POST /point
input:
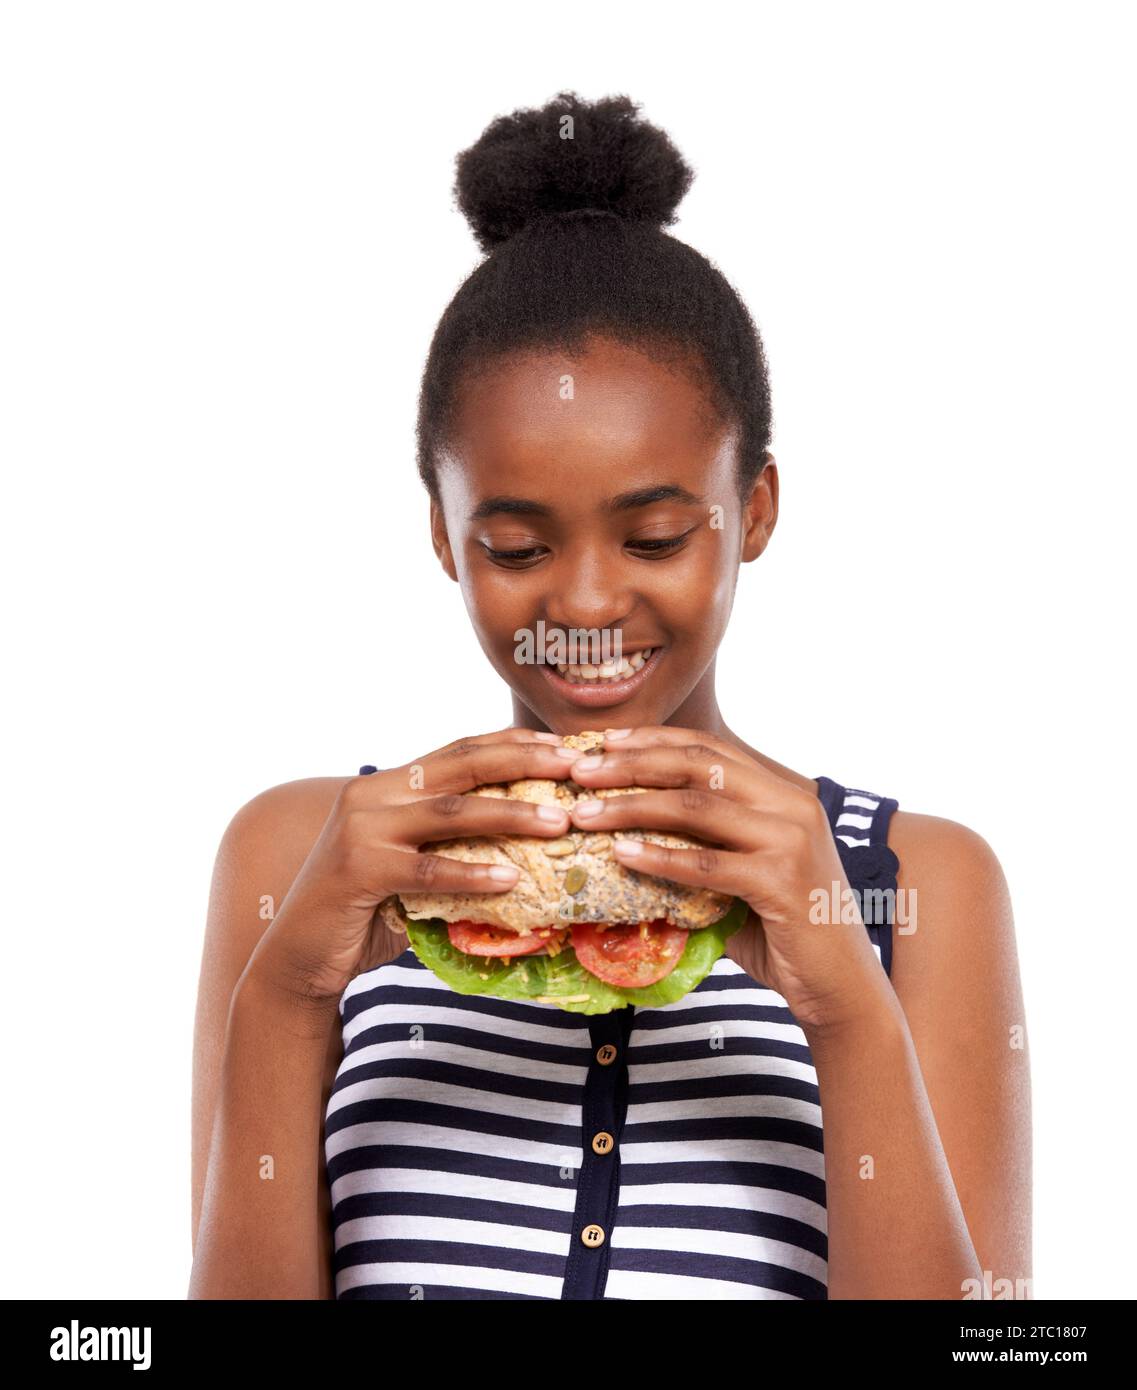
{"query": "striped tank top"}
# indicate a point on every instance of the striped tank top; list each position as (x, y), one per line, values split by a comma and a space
(489, 1148)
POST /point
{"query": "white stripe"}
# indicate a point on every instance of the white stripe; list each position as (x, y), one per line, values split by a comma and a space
(725, 1064)
(629, 1283)
(727, 1107)
(449, 1140)
(461, 1097)
(448, 1013)
(784, 1155)
(734, 1197)
(848, 818)
(476, 1058)
(470, 1186)
(730, 1244)
(461, 1232)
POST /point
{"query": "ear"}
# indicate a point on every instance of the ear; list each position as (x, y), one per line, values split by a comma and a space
(440, 539)
(760, 512)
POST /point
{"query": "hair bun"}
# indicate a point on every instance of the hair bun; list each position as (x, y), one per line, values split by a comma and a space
(569, 156)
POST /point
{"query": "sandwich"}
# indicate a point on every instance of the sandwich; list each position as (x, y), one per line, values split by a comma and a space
(578, 930)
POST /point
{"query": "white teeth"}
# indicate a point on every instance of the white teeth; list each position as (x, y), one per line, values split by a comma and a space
(608, 671)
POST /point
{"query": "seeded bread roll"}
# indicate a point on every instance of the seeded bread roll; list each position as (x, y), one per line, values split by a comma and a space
(571, 879)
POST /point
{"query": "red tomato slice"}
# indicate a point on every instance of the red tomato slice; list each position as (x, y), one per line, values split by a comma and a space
(627, 957)
(479, 939)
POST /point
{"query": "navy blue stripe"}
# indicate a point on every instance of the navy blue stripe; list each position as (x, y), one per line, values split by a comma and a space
(499, 1044)
(475, 1079)
(731, 1171)
(744, 1084)
(447, 1252)
(408, 1110)
(499, 1010)
(738, 1221)
(367, 1157)
(697, 1049)
(765, 1129)
(533, 1218)
(430, 1293)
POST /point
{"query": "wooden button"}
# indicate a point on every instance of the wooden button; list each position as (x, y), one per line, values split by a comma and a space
(603, 1143)
(606, 1055)
(592, 1236)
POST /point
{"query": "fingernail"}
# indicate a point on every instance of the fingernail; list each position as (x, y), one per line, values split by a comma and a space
(569, 752)
(550, 813)
(587, 764)
(584, 809)
(503, 873)
(616, 733)
(548, 738)
(627, 849)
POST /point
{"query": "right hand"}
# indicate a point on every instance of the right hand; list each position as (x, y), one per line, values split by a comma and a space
(326, 930)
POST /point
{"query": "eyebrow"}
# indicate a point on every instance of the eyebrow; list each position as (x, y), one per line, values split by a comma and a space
(623, 502)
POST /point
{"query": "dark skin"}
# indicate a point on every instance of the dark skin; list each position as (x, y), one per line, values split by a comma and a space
(925, 1093)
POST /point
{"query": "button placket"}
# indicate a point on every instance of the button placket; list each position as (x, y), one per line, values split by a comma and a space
(598, 1183)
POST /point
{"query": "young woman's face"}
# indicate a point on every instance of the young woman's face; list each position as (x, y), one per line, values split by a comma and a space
(598, 491)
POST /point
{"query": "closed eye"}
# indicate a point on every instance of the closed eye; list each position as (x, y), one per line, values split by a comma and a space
(649, 548)
(514, 559)
(659, 546)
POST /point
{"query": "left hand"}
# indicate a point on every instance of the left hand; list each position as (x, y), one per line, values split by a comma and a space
(770, 844)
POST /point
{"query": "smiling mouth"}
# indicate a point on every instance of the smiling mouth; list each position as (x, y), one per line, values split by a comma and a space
(606, 684)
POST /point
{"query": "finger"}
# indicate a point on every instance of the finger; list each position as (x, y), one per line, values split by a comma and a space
(432, 873)
(707, 867)
(511, 735)
(671, 765)
(453, 816)
(668, 736)
(690, 811)
(471, 763)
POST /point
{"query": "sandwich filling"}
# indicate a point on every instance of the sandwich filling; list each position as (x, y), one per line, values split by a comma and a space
(628, 955)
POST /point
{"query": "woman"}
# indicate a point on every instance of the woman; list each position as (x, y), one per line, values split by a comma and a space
(594, 430)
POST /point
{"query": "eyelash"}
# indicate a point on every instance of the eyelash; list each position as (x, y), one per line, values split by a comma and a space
(519, 558)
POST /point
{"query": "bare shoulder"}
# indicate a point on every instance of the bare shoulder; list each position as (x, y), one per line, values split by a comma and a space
(277, 828)
(957, 944)
(261, 852)
(936, 850)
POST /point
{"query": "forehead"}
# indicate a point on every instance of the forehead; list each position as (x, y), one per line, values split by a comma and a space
(601, 420)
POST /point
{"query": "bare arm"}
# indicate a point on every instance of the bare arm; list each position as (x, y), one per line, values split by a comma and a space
(267, 1037)
(931, 1087)
(254, 1062)
(264, 1229)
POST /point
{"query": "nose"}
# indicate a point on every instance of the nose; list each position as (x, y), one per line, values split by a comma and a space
(587, 590)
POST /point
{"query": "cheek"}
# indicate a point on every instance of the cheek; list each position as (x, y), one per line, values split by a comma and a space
(496, 609)
(699, 597)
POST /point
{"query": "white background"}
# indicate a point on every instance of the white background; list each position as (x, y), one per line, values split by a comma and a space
(227, 237)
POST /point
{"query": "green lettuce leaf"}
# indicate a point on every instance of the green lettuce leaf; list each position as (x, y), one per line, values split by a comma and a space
(560, 978)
